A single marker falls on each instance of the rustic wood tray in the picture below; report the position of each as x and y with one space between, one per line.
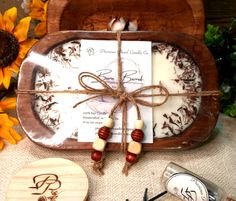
193 136
185 16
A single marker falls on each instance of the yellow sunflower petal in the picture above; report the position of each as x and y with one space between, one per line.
14 67
5 121
14 120
25 46
1 144
37 10
37 4
9 103
1 77
6 77
12 14
2 26
9 18
40 29
3 117
15 135
36 14
5 134
45 7
18 61
21 30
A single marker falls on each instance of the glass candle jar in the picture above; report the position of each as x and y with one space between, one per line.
188 186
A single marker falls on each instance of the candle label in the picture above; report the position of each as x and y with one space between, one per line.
100 58
187 187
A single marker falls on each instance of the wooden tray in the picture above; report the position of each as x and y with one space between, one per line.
193 136
186 16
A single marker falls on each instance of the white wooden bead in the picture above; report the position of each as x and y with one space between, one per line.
135 147
99 144
139 124
108 122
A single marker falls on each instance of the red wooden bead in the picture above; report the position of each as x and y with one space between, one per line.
137 135
131 158
96 155
104 132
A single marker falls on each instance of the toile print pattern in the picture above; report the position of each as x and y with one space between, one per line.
183 76
47 106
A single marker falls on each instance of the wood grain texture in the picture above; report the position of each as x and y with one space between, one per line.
193 136
49 177
219 12
186 16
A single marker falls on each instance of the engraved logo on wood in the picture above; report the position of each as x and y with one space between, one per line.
47 186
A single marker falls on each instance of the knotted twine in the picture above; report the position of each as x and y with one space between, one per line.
123 98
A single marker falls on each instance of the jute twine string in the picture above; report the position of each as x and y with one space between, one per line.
123 97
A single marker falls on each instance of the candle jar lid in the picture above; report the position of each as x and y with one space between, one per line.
185 184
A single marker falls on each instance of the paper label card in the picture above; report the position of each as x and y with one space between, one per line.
100 57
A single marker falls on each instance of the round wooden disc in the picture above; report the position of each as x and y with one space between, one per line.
49 179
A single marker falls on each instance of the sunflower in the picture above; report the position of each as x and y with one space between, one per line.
39 12
7 122
14 44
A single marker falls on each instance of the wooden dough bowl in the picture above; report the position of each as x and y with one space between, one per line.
185 16
193 136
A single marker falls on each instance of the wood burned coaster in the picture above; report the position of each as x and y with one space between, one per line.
181 63
49 179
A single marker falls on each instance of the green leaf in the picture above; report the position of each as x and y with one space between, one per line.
213 36
222 43
230 110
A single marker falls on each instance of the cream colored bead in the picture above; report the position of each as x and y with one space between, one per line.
134 147
99 144
108 122
139 124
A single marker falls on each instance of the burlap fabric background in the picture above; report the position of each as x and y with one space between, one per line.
215 160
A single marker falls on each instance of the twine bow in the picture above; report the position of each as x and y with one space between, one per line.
123 97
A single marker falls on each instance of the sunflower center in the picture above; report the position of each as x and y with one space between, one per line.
9 48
